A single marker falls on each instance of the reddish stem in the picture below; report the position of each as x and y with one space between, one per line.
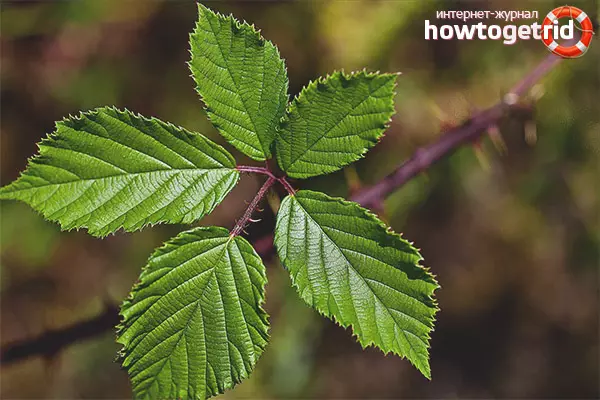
267 171
242 222
256 170
451 140
287 185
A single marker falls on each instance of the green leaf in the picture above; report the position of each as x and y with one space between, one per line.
334 121
194 325
111 169
242 80
350 267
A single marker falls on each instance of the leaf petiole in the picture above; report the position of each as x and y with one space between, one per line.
266 171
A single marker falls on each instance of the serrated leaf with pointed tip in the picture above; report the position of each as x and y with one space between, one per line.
111 169
351 268
194 325
242 80
334 122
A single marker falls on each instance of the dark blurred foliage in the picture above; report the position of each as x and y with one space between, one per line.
513 237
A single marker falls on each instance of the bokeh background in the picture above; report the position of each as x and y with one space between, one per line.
513 236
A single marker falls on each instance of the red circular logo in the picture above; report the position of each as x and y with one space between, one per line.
587 30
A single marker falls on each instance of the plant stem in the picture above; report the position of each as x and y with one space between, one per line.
256 170
266 171
424 157
291 191
52 342
452 139
242 222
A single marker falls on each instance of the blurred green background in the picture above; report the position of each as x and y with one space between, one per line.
513 236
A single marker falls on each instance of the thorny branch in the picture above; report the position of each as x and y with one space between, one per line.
247 217
51 342
468 132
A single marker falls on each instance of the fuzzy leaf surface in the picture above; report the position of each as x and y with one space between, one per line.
242 80
194 325
110 169
345 263
334 122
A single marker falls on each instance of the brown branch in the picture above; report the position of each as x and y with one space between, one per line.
468 132
51 342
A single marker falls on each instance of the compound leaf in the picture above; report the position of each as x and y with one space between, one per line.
109 169
242 80
194 325
333 122
351 268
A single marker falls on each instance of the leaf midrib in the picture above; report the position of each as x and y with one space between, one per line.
236 83
375 295
196 305
371 91
5 190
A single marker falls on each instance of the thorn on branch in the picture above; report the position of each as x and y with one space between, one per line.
530 133
497 139
352 179
246 218
511 99
484 162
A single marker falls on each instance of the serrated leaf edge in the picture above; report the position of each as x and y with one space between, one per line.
434 302
80 116
240 24
325 80
171 245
